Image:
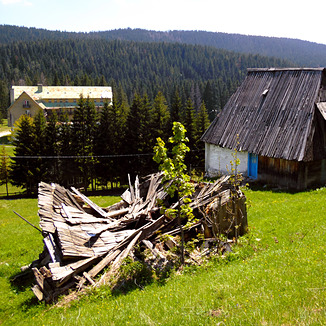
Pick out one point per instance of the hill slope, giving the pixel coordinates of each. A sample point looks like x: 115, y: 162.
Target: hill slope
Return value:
x: 302, y: 53
x: 136, y: 66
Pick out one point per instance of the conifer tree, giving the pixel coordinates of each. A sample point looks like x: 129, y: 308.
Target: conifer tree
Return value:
x: 201, y: 123
x: 160, y: 118
x: 133, y: 137
x: 176, y: 107
x: 83, y: 136
x: 56, y: 79
x: 67, y: 166
x: 102, y: 81
x: 52, y: 149
x: 4, y: 99
x: 195, y: 96
x: 22, y: 166
x: 38, y: 147
x: 123, y: 110
x: 105, y: 143
x: 209, y: 99
x: 145, y: 136
x: 188, y: 121
x: 4, y: 168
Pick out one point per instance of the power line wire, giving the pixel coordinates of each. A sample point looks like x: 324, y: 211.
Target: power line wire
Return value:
x: 82, y: 156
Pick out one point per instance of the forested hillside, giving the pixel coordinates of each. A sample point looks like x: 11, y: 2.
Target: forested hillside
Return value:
x: 198, y: 72
x: 302, y: 53
x: 154, y: 84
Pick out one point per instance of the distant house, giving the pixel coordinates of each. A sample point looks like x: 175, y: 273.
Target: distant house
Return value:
x: 276, y: 121
x: 30, y: 99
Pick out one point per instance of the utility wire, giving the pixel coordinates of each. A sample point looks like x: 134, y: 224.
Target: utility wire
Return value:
x: 82, y: 156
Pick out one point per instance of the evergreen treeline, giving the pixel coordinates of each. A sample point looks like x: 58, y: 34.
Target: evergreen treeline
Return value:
x: 201, y: 73
x: 102, y: 148
x: 302, y: 53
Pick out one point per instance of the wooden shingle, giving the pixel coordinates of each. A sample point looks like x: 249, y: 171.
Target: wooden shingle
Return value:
x: 271, y: 114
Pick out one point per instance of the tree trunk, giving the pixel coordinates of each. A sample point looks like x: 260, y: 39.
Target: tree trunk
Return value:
x: 182, y: 256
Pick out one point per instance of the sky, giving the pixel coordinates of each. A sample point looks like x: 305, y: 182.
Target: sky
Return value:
x: 279, y: 18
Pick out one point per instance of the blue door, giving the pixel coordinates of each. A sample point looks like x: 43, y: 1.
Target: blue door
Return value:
x: 252, y: 166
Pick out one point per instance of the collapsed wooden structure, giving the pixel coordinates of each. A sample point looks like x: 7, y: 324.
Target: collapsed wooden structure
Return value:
x: 82, y: 239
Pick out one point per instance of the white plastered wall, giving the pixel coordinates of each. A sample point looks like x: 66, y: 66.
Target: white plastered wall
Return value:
x: 217, y: 160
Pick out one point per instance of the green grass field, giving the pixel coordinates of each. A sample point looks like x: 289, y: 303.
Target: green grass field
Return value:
x: 275, y: 276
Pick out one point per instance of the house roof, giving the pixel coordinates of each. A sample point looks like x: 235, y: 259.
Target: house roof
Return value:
x: 41, y: 92
x: 271, y: 114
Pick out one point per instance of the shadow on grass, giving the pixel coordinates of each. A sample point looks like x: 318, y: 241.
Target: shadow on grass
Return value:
x: 23, y: 194
x: 258, y: 186
x: 16, y: 195
x: 29, y: 303
x: 5, y: 140
x: 22, y: 281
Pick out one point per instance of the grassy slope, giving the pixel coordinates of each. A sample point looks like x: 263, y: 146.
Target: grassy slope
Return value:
x: 276, y: 275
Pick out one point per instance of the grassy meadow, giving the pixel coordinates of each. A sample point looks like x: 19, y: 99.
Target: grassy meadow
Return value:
x: 274, y: 276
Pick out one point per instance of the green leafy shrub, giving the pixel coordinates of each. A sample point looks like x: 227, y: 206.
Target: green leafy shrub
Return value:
x: 132, y: 274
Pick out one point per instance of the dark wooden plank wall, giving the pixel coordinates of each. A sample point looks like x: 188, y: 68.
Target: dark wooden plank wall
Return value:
x: 291, y: 174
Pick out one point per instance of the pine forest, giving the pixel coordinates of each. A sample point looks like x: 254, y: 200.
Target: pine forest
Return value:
x: 154, y: 84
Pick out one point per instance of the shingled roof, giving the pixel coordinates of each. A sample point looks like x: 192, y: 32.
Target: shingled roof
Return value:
x: 40, y: 92
x: 271, y: 114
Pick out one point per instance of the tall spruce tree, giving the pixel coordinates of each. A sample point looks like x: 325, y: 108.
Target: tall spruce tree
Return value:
x: 209, y: 99
x: 176, y: 107
x: 67, y: 166
x: 4, y: 99
x: 145, y: 137
x: 160, y: 119
x: 83, y: 136
x: 22, y: 166
x: 133, y: 136
x: 106, y: 145
x: 52, y: 149
x: 123, y: 110
x: 201, y: 124
x: 4, y: 168
x: 188, y: 121
x: 38, y: 147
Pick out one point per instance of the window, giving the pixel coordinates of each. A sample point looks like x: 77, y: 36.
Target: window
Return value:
x: 26, y: 104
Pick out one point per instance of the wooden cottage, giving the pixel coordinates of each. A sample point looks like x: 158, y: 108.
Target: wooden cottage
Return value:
x: 276, y: 122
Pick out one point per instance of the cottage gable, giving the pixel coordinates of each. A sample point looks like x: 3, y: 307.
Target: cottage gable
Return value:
x: 23, y: 105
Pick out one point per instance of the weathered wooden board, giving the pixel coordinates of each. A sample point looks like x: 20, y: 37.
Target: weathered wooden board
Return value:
x: 82, y: 242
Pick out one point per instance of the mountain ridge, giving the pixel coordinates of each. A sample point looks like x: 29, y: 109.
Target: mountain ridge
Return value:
x: 302, y: 53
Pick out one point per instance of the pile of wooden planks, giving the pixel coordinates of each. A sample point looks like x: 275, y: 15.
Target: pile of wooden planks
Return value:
x: 82, y: 239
